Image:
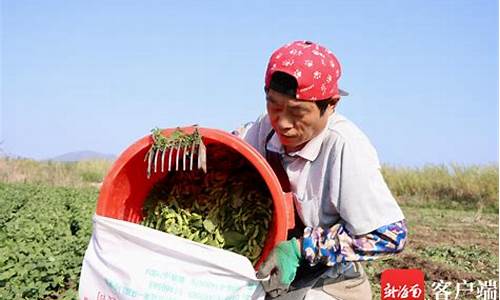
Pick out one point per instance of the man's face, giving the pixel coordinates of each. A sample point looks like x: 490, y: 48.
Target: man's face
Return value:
x: 296, y: 122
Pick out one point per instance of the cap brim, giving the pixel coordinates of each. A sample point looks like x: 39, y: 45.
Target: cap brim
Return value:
x: 343, y: 93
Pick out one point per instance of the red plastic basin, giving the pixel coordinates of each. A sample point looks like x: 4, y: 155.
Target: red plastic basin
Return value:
x: 126, y: 186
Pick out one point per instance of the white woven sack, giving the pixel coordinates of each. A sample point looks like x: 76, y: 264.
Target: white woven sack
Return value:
x: 129, y: 261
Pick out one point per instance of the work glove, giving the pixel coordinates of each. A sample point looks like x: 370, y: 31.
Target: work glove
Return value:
x: 281, y: 265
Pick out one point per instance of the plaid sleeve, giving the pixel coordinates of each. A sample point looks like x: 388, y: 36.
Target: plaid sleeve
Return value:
x: 336, y: 244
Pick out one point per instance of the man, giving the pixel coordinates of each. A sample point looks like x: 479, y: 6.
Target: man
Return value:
x: 346, y: 209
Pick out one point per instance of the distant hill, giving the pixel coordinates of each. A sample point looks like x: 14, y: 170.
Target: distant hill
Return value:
x: 83, y: 155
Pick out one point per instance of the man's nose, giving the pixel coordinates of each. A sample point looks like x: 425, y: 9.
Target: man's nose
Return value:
x: 284, y: 124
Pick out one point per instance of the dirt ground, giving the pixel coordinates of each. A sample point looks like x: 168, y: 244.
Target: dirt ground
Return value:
x: 448, y: 246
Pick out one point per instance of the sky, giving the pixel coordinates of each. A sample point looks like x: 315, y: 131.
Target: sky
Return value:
x: 99, y: 75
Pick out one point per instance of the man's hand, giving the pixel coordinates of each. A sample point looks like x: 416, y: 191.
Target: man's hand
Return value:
x: 281, y: 265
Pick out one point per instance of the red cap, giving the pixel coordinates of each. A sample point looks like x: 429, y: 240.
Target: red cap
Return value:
x: 314, y: 67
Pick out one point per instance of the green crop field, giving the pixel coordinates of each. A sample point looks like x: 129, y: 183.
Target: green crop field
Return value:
x: 44, y: 232
x: 46, y: 221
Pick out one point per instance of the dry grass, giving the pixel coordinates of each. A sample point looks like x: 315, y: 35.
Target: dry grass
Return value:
x: 443, y: 186
x: 71, y: 174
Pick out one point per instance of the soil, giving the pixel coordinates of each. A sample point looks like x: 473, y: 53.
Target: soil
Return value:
x: 470, y: 237
x: 433, y: 271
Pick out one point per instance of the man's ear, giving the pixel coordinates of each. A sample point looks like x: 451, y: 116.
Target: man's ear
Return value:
x: 333, y: 103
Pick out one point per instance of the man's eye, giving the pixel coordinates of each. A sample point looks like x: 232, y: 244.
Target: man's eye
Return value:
x: 273, y: 108
x: 273, y: 105
x: 298, y: 113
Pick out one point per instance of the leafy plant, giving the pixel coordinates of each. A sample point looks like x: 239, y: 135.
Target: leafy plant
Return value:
x: 44, y: 234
